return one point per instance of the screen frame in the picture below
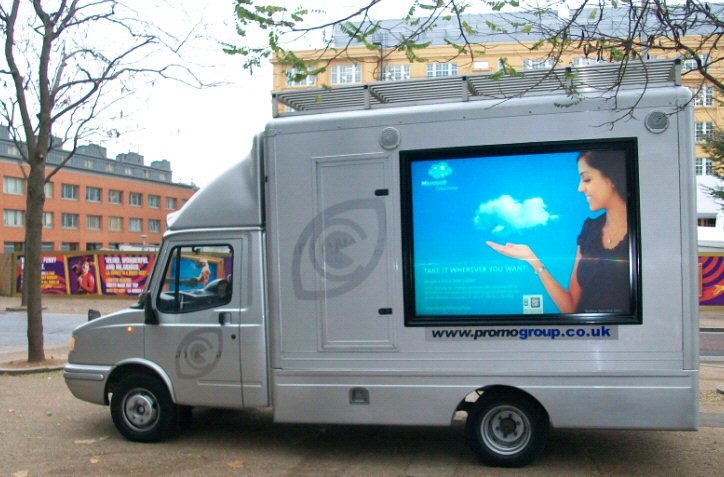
(629, 145)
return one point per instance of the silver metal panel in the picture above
(601, 78)
(634, 401)
(233, 199)
(350, 239)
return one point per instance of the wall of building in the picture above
(58, 237)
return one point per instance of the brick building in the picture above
(93, 202)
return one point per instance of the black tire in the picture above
(507, 429)
(142, 409)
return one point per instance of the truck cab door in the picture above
(198, 302)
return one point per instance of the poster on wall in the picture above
(537, 233)
(111, 274)
(122, 274)
(52, 276)
(83, 275)
(711, 280)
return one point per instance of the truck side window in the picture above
(196, 277)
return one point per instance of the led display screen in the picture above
(536, 233)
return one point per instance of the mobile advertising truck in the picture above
(520, 251)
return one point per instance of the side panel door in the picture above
(197, 339)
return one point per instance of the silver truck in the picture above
(517, 251)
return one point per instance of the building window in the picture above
(115, 196)
(89, 163)
(136, 225)
(13, 218)
(13, 151)
(93, 222)
(135, 199)
(115, 224)
(309, 80)
(47, 220)
(171, 203)
(154, 225)
(344, 74)
(92, 194)
(154, 201)
(69, 191)
(162, 177)
(93, 246)
(48, 189)
(437, 70)
(114, 246)
(583, 61)
(70, 221)
(395, 72)
(69, 246)
(47, 246)
(704, 166)
(12, 247)
(538, 63)
(128, 171)
(703, 131)
(690, 64)
(14, 185)
(704, 96)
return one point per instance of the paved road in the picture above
(46, 431)
(711, 344)
(57, 329)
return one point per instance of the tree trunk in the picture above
(33, 257)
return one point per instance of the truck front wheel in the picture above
(507, 429)
(142, 409)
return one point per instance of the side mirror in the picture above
(150, 315)
(93, 314)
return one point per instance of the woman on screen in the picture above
(600, 278)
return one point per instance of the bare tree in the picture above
(605, 30)
(67, 63)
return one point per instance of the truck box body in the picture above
(366, 290)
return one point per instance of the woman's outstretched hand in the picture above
(513, 250)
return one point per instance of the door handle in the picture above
(224, 317)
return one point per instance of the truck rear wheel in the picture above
(142, 409)
(507, 429)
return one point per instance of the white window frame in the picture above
(154, 225)
(347, 74)
(704, 166)
(309, 80)
(703, 130)
(48, 219)
(441, 70)
(135, 224)
(115, 224)
(66, 188)
(13, 185)
(533, 64)
(13, 218)
(171, 203)
(395, 72)
(154, 201)
(93, 194)
(93, 218)
(72, 221)
(135, 199)
(704, 96)
(115, 194)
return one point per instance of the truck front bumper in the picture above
(87, 382)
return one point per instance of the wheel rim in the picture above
(505, 429)
(140, 409)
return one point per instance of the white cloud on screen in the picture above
(506, 215)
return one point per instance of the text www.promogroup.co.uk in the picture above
(551, 333)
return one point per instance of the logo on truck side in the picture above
(339, 249)
(198, 353)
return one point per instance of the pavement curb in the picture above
(33, 370)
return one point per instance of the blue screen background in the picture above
(526, 199)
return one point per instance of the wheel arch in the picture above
(137, 366)
(467, 403)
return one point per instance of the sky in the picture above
(202, 132)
